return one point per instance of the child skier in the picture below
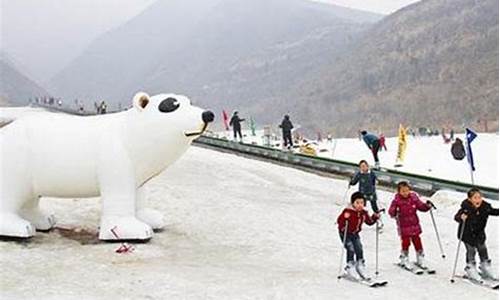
(404, 208)
(367, 180)
(353, 217)
(473, 214)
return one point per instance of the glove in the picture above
(430, 204)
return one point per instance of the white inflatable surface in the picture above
(112, 156)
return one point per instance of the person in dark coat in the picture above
(236, 124)
(473, 214)
(373, 143)
(367, 180)
(286, 128)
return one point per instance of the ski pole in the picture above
(343, 249)
(376, 244)
(376, 250)
(458, 250)
(437, 233)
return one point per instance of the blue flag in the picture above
(470, 136)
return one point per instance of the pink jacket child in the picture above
(404, 208)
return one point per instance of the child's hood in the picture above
(467, 205)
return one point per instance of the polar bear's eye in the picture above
(168, 105)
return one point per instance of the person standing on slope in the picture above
(236, 124)
(367, 181)
(473, 214)
(382, 142)
(373, 143)
(404, 208)
(349, 225)
(286, 128)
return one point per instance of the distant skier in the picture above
(458, 150)
(473, 214)
(104, 108)
(372, 141)
(446, 140)
(286, 128)
(367, 180)
(404, 208)
(236, 124)
(354, 217)
(381, 138)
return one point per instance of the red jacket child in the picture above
(404, 208)
(354, 216)
(356, 219)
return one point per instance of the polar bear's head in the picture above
(174, 113)
(159, 129)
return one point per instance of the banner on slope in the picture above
(225, 119)
(402, 143)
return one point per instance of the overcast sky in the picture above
(378, 6)
(37, 33)
(42, 36)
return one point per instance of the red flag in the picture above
(225, 118)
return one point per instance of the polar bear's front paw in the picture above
(124, 228)
(151, 217)
(13, 225)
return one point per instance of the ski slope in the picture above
(236, 229)
(428, 156)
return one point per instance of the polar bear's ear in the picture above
(141, 100)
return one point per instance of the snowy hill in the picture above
(428, 156)
(237, 229)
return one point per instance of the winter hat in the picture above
(357, 195)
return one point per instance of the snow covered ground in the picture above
(428, 156)
(237, 229)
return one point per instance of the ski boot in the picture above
(486, 270)
(472, 273)
(350, 270)
(405, 261)
(361, 269)
(421, 260)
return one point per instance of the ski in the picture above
(416, 271)
(368, 282)
(483, 283)
(426, 270)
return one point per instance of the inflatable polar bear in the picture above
(58, 155)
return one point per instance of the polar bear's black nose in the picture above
(207, 116)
